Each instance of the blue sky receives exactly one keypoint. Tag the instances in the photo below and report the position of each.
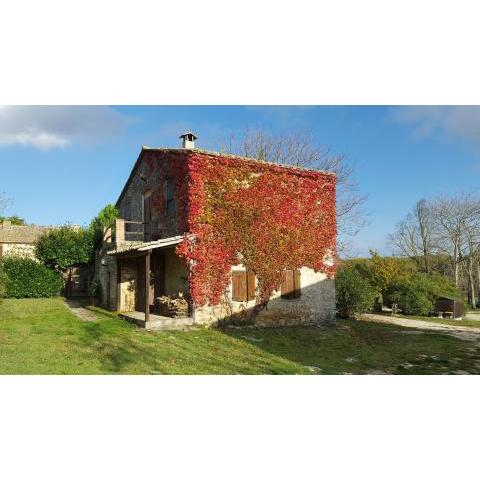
(63, 164)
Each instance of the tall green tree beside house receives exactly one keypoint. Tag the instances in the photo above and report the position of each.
(65, 248)
(105, 219)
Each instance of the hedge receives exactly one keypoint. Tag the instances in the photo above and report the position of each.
(3, 282)
(30, 279)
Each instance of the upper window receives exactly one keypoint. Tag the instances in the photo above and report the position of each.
(170, 196)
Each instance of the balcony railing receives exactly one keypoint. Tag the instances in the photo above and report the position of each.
(125, 231)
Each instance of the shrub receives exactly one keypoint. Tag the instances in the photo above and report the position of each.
(28, 278)
(3, 282)
(419, 294)
(354, 294)
(409, 297)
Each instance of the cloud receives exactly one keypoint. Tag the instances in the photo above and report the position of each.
(46, 127)
(447, 122)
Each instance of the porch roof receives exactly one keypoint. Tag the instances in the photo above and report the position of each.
(145, 246)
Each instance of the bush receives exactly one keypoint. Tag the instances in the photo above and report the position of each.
(28, 278)
(354, 294)
(3, 282)
(419, 294)
(411, 299)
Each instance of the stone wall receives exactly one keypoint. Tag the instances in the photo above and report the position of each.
(146, 180)
(316, 305)
(176, 275)
(19, 249)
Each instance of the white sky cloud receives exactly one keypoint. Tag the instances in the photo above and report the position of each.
(46, 127)
(461, 122)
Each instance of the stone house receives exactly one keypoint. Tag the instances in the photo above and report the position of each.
(144, 276)
(19, 239)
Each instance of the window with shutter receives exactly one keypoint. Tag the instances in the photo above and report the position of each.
(239, 286)
(243, 286)
(290, 287)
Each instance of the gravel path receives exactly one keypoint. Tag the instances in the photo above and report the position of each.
(464, 333)
(81, 312)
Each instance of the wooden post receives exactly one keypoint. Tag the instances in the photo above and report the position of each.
(147, 286)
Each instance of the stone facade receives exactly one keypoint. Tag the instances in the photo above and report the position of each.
(19, 239)
(123, 282)
(316, 305)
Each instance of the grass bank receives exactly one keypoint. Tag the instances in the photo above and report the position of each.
(42, 336)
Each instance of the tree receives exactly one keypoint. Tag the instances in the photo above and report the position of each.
(299, 148)
(386, 271)
(413, 236)
(353, 293)
(14, 220)
(105, 219)
(4, 202)
(65, 248)
(453, 217)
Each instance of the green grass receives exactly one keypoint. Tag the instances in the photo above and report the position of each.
(42, 336)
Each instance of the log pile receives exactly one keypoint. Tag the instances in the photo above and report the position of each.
(171, 306)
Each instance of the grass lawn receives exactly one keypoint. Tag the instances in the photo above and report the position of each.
(42, 336)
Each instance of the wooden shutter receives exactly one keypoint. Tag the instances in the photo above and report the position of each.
(287, 288)
(291, 286)
(239, 286)
(250, 286)
(297, 284)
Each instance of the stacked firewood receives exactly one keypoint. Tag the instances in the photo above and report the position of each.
(172, 306)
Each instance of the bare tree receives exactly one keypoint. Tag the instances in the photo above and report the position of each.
(413, 236)
(299, 148)
(4, 202)
(453, 218)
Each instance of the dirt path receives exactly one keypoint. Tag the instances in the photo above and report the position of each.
(78, 310)
(464, 333)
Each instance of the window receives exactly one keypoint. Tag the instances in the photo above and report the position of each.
(243, 286)
(170, 196)
(291, 287)
(147, 216)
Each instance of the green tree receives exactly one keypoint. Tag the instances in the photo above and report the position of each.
(105, 219)
(354, 294)
(14, 219)
(65, 248)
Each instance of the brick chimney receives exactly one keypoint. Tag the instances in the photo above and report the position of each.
(188, 140)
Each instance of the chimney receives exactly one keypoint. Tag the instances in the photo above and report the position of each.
(188, 140)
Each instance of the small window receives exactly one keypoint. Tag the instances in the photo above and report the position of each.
(291, 286)
(243, 286)
(170, 196)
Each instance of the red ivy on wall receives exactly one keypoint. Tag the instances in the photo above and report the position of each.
(265, 216)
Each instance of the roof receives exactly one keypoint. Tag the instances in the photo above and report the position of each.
(28, 234)
(213, 154)
(144, 246)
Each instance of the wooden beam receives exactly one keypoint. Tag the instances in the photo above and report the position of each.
(147, 285)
